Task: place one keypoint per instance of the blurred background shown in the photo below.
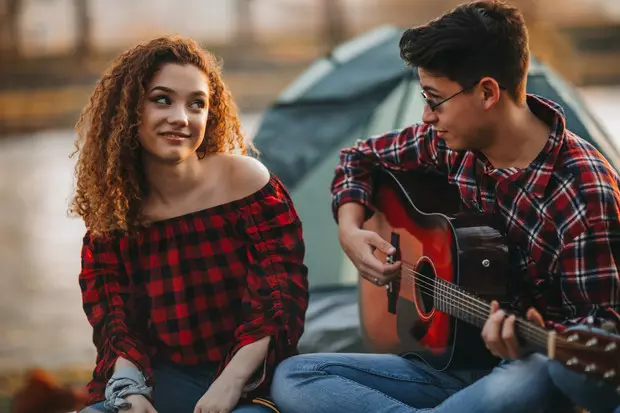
(52, 52)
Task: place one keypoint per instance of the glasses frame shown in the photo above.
(433, 106)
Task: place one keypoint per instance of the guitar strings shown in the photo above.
(479, 309)
(534, 335)
(457, 296)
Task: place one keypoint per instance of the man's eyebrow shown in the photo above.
(430, 89)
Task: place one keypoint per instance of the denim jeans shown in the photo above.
(381, 383)
(178, 388)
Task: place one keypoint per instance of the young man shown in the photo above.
(508, 153)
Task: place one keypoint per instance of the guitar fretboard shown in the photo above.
(452, 300)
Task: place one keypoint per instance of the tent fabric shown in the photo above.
(340, 91)
(327, 104)
(360, 89)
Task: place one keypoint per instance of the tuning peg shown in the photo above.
(590, 320)
(572, 361)
(592, 342)
(609, 374)
(609, 326)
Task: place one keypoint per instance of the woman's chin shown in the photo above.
(171, 155)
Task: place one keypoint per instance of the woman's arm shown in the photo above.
(245, 362)
(276, 296)
(106, 292)
(124, 363)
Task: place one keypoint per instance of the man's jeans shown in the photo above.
(379, 383)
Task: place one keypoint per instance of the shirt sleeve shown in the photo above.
(589, 275)
(276, 298)
(106, 298)
(414, 147)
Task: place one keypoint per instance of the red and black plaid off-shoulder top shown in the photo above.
(198, 287)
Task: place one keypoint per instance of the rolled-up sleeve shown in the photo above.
(414, 147)
(106, 298)
(589, 275)
(276, 297)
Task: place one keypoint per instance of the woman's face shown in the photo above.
(174, 115)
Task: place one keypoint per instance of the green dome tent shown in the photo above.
(360, 89)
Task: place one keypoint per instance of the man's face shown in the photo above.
(462, 120)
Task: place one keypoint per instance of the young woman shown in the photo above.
(192, 263)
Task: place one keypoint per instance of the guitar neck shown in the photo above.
(451, 299)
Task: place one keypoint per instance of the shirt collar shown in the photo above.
(535, 177)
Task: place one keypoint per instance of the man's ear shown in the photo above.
(490, 92)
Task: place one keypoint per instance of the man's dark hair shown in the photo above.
(474, 40)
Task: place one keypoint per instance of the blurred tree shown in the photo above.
(83, 47)
(334, 21)
(9, 28)
(245, 35)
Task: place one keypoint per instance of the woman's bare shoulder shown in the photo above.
(246, 174)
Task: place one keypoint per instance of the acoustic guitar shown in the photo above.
(454, 262)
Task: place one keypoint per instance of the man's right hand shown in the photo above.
(139, 404)
(359, 245)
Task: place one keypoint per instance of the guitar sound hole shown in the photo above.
(425, 286)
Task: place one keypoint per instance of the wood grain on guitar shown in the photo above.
(454, 262)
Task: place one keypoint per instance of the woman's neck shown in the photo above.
(168, 182)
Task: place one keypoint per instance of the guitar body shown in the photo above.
(420, 213)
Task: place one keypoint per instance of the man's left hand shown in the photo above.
(498, 332)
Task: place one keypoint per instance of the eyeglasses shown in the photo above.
(433, 105)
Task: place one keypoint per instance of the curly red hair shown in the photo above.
(110, 185)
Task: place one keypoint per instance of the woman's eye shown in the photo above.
(200, 104)
(162, 100)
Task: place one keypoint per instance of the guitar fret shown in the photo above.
(451, 299)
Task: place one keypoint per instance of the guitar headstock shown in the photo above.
(591, 353)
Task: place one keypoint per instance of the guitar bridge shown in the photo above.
(393, 286)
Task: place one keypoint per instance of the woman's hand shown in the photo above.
(222, 396)
(139, 404)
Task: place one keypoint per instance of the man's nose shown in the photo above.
(428, 116)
